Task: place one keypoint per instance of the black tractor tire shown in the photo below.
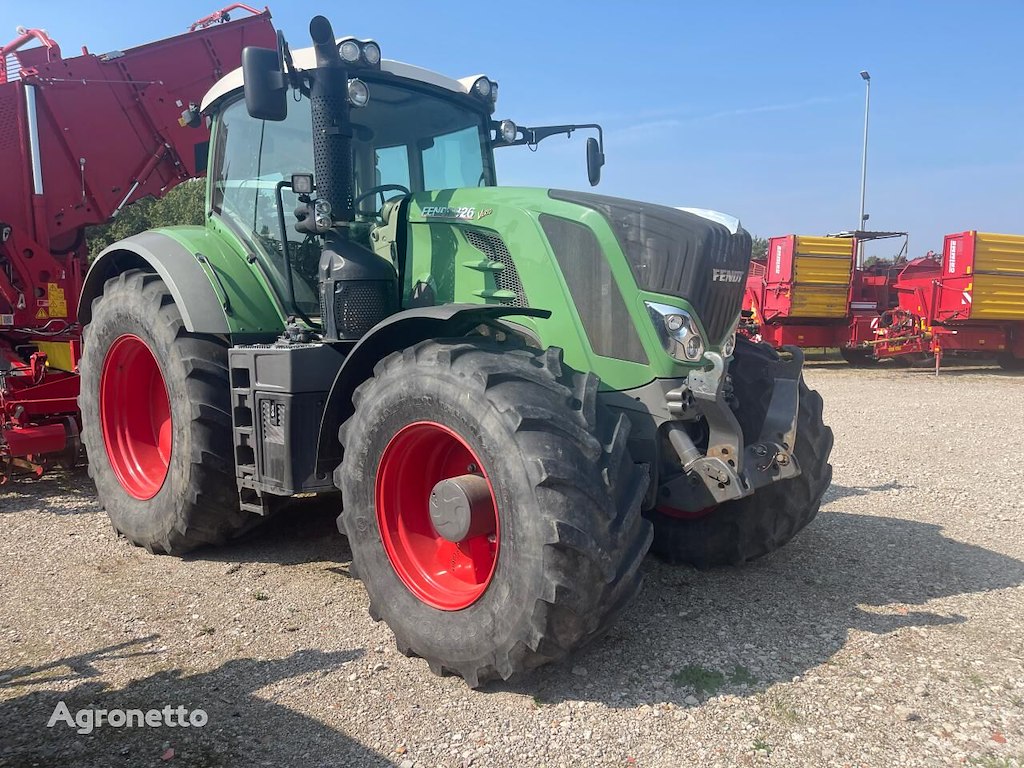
(566, 497)
(197, 502)
(739, 531)
(1009, 362)
(858, 358)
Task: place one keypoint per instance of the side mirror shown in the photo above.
(266, 92)
(595, 159)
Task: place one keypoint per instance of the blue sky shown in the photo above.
(753, 108)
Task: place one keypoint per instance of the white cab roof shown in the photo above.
(306, 59)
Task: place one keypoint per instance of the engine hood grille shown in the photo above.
(678, 253)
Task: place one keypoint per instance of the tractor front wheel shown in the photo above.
(156, 422)
(742, 530)
(491, 505)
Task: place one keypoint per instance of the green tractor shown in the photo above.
(517, 393)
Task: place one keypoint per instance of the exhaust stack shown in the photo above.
(358, 288)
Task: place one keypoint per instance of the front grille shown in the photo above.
(494, 248)
(679, 254)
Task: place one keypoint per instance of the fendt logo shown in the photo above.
(727, 275)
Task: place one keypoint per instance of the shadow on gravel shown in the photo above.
(74, 667)
(302, 532)
(843, 491)
(243, 728)
(24, 492)
(740, 630)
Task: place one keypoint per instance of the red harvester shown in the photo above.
(80, 138)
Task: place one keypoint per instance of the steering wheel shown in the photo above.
(380, 189)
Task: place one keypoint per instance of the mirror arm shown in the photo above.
(533, 136)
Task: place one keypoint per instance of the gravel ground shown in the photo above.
(889, 633)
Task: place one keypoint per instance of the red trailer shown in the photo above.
(969, 301)
(808, 292)
(80, 138)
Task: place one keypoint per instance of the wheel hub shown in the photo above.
(460, 507)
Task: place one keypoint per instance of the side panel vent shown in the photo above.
(507, 279)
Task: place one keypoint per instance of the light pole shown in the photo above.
(864, 161)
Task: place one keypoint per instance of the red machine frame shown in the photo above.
(777, 320)
(925, 307)
(80, 138)
(938, 297)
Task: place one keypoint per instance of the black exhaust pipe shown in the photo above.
(358, 288)
(332, 123)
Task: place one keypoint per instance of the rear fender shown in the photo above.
(395, 333)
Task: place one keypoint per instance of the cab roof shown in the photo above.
(306, 59)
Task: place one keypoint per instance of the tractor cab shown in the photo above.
(411, 130)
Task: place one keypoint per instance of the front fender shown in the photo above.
(392, 334)
(215, 290)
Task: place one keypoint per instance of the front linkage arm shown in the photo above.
(729, 470)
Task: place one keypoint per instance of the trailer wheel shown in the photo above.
(745, 529)
(858, 358)
(1009, 362)
(491, 505)
(156, 422)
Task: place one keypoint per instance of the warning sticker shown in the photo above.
(6, 319)
(58, 304)
(41, 315)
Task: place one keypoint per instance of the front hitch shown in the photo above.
(729, 469)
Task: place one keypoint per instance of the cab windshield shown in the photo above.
(404, 136)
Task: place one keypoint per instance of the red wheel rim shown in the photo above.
(135, 413)
(443, 574)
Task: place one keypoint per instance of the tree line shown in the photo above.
(183, 204)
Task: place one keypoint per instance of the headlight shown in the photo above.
(678, 332)
(322, 214)
(729, 345)
(353, 52)
(371, 53)
(358, 93)
(508, 131)
(349, 51)
(482, 87)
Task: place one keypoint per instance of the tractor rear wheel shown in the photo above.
(742, 530)
(491, 505)
(156, 422)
